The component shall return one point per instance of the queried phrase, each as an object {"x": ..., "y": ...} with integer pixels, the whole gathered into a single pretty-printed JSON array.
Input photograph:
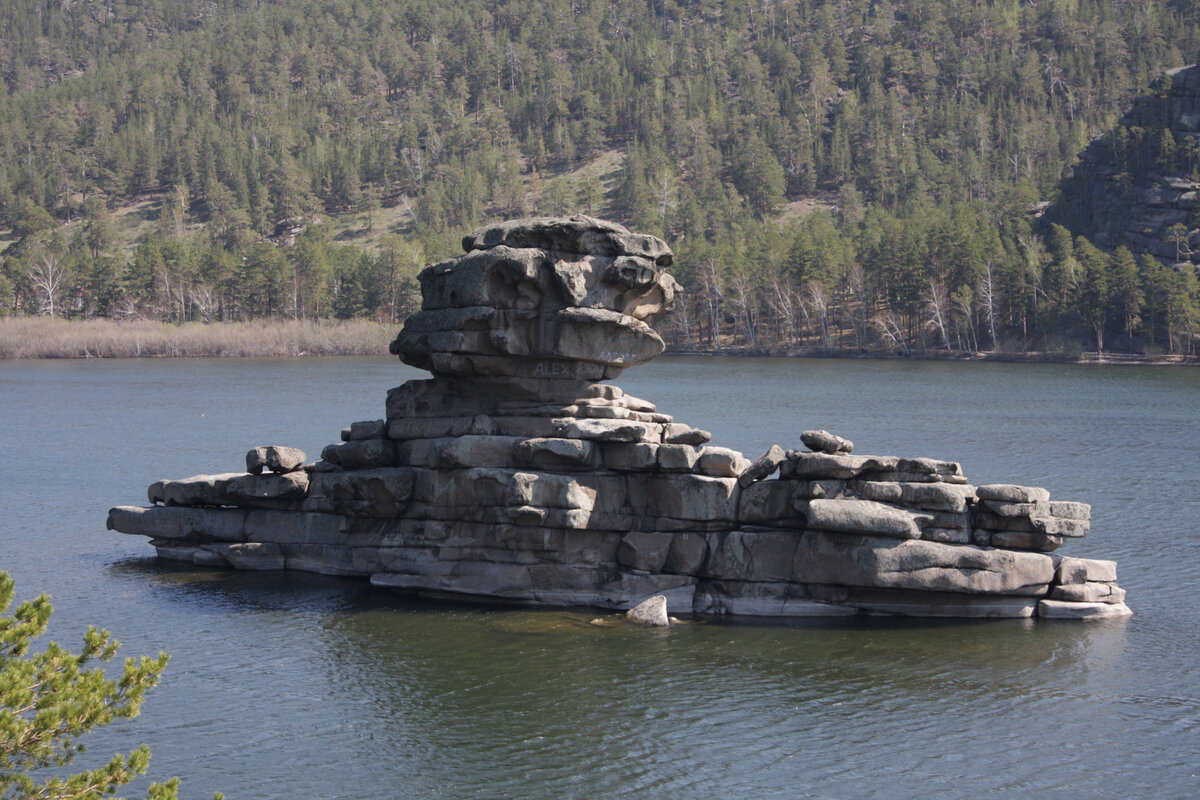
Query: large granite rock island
[{"x": 515, "y": 474}]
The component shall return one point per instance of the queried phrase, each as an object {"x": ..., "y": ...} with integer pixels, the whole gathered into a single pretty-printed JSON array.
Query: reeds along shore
[{"x": 44, "y": 337}]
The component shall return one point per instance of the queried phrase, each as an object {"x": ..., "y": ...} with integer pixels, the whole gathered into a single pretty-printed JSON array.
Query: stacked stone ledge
[{"x": 514, "y": 475}]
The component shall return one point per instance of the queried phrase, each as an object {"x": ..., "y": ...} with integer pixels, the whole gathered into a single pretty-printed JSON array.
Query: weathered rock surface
[
  {"x": 826, "y": 442},
  {"x": 275, "y": 458},
  {"x": 514, "y": 475},
  {"x": 543, "y": 298},
  {"x": 652, "y": 611},
  {"x": 1118, "y": 195}
]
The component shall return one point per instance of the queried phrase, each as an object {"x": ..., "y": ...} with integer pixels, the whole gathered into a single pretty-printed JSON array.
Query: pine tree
[
  {"x": 1126, "y": 294},
  {"x": 49, "y": 699},
  {"x": 1095, "y": 294}
]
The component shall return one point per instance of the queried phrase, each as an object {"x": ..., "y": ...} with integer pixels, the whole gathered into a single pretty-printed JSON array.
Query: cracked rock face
[
  {"x": 1122, "y": 193},
  {"x": 556, "y": 298}
]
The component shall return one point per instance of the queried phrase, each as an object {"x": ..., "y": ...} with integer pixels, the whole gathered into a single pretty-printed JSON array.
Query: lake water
[{"x": 288, "y": 685}]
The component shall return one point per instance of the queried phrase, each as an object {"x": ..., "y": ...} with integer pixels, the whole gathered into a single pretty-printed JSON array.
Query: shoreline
[
  {"x": 54, "y": 339},
  {"x": 1031, "y": 357}
]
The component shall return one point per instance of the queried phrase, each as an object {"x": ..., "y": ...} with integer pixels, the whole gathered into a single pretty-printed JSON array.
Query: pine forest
[{"x": 833, "y": 175}]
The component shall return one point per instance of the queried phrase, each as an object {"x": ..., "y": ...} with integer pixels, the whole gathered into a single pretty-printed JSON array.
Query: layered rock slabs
[
  {"x": 514, "y": 475},
  {"x": 542, "y": 298}
]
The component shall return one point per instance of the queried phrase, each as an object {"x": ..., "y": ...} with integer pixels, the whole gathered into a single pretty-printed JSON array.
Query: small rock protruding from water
[
  {"x": 280, "y": 460},
  {"x": 826, "y": 442},
  {"x": 652, "y": 611}
]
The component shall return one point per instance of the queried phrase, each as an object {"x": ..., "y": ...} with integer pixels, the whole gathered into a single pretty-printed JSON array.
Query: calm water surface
[{"x": 286, "y": 686}]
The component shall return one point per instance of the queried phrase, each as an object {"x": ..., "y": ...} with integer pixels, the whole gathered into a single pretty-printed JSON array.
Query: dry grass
[{"x": 43, "y": 337}]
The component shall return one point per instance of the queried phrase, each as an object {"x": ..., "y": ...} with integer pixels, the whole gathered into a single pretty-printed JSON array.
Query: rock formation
[
  {"x": 1136, "y": 183},
  {"x": 514, "y": 475}
]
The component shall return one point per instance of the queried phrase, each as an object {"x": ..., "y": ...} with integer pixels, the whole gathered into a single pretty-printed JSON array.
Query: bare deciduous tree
[
  {"x": 936, "y": 303},
  {"x": 786, "y": 306},
  {"x": 889, "y": 328},
  {"x": 987, "y": 301},
  {"x": 743, "y": 299},
  {"x": 48, "y": 275},
  {"x": 820, "y": 307},
  {"x": 710, "y": 283},
  {"x": 204, "y": 300}
]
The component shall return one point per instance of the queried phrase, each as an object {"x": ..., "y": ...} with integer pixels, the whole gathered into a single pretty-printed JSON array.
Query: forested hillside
[{"x": 830, "y": 173}]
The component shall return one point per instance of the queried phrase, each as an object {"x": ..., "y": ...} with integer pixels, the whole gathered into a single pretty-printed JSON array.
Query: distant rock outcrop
[
  {"x": 514, "y": 475},
  {"x": 1135, "y": 186}
]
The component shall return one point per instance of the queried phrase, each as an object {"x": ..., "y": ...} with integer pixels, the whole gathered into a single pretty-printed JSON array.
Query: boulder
[
  {"x": 1089, "y": 592},
  {"x": 768, "y": 503},
  {"x": 888, "y": 563},
  {"x": 633, "y": 456},
  {"x": 604, "y": 430},
  {"x": 370, "y": 429},
  {"x": 374, "y": 493},
  {"x": 555, "y": 453},
  {"x": 269, "y": 490},
  {"x": 276, "y": 458},
  {"x": 1025, "y": 540},
  {"x": 826, "y": 442},
  {"x": 577, "y": 234},
  {"x": 652, "y": 611},
  {"x": 677, "y": 457},
  {"x": 925, "y": 496},
  {"x": 687, "y": 554},
  {"x": 1010, "y": 493},
  {"x": 1081, "y": 570},
  {"x": 232, "y": 489},
  {"x": 361, "y": 454},
  {"x": 544, "y": 297},
  {"x": 822, "y": 466},
  {"x": 1067, "y": 510},
  {"x": 678, "y": 433},
  {"x": 763, "y": 466},
  {"x": 645, "y": 551},
  {"x": 862, "y": 517},
  {"x": 722, "y": 462},
  {"x": 691, "y": 497},
  {"x": 751, "y": 555}
]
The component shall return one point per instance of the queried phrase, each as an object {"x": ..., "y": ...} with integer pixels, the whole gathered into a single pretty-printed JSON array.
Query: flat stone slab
[
  {"x": 1011, "y": 493},
  {"x": 862, "y": 517},
  {"x": 1063, "y": 609},
  {"x": 873, "y": 561},
  {"x": 231, "y": 489},
  {"x": 180, "y": 522},
  {"x": 1081, "y": 570}
]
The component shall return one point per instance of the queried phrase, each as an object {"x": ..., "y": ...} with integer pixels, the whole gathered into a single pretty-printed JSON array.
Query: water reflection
[
  {"x": 294, "y": 685},
  {"x": 479, "y": 701}
]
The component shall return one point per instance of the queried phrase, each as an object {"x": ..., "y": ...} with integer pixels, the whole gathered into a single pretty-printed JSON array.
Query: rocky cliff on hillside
[
  {"x": 1137, "y": 184},
  {"x": 513, "y": 474}
]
